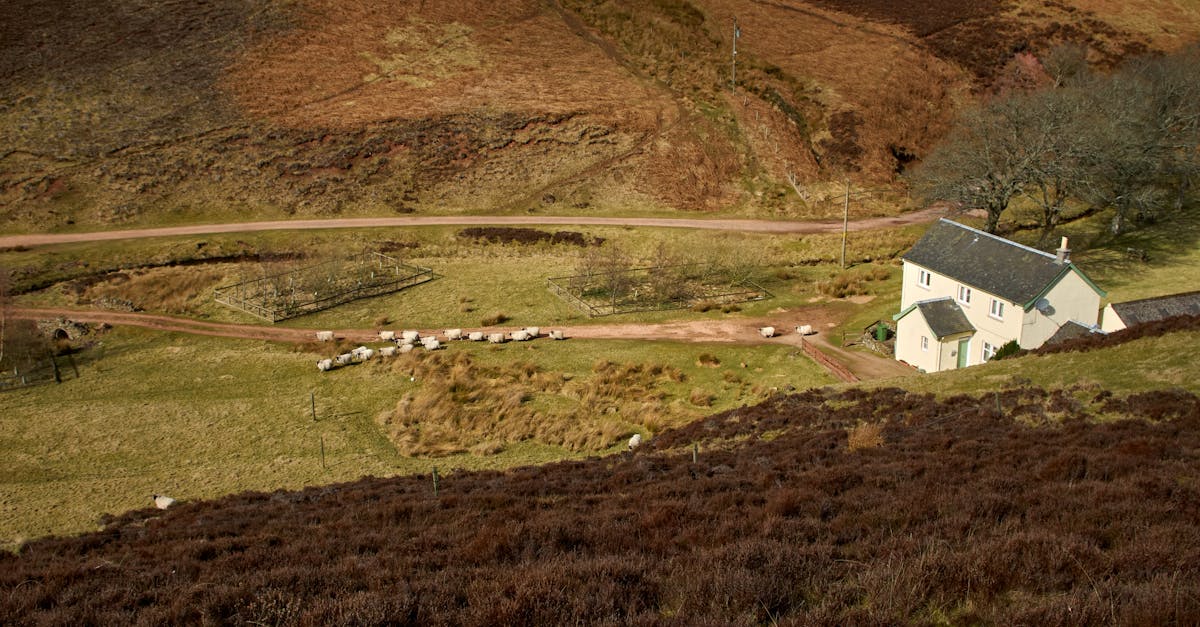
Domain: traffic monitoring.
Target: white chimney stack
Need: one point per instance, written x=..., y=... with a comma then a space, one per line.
x=1063, y=254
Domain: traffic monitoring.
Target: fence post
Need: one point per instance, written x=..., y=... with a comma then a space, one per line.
x=435, y=481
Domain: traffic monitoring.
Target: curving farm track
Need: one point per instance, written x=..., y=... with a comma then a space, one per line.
x=753, y=226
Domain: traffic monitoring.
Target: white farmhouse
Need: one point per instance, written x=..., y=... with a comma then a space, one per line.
x=966, y=293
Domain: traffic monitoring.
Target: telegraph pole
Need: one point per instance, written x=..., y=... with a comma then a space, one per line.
x=737, y=33
x=845, y=222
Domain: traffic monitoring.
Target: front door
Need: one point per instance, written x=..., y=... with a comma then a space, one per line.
x=963, y=347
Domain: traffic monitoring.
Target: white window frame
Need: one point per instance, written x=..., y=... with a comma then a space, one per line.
x=925, y=343
x=924, y=278
x=997, y=309
x=964, y=294
x=989, y=351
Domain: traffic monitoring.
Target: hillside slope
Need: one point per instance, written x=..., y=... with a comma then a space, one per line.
x=126, y=112
x=819, y=508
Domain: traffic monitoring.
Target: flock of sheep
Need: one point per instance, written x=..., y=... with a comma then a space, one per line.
x=406, y=341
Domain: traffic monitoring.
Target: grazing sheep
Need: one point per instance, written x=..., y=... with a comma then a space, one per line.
x=454, y=334
x=387, y=336
x=406, y=341
x=533, y=331
x=359, y=352
x=557, y=335
x=405, y=348
x=325, y=365
x=345, y=359
x=520, y=336
x=766, y=331
x=366, y=354
x=387, y=351
x=162, y=501
x=411, y=336
x=635, y=441
x=496, y=338
x=477, y=336
x=805, y=329
x=432, y=344
x=324, y=336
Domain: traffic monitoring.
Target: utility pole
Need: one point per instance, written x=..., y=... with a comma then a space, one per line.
x=737, y=33
x=845, y=222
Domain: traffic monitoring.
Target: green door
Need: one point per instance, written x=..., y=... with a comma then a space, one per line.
x=963, y=346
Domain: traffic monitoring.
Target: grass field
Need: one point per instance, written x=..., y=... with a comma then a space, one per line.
x=199, y=417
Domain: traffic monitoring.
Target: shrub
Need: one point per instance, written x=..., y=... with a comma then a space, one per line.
x=708, y=359
x=864, y=435
x=493, y=320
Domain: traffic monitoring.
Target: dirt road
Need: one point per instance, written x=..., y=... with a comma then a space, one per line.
x=734, y=331
x=755, y=226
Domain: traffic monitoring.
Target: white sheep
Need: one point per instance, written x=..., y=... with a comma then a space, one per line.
x=405, y=348
x=477, y=336
x=366, y=354
x=766, y=331
x=533, y=331
x=324, y=336
x=406, y=341
x=387, y=336
x=805, y=329
x=520, y=336
x=635, y=441
x=345, y=359
x=411, y=336
x=432, y=344
x=387, y=351
x=496, y=338
x=325, y=365
x=162, y=501
x=557, y=335
x=454, y=334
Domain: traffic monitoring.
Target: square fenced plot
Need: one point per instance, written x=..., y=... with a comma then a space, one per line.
x=655, y=288
x=292, y=293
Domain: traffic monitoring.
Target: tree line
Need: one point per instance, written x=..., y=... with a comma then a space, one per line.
x=1125, y=141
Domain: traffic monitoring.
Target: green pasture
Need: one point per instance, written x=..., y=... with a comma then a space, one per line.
x=198, y=417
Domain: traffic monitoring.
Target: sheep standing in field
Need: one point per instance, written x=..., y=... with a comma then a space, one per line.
x=387, y=351
x=767, y=332
x=454, y=334
x=533, y=331
x=805, y=329
x=431, y=344
x=325, y=365
x=345, y=359
x=366, y=353
x=411, y=336
x=477, y=336
x=324, y=336
x=496, y=338
x=557, y=335
x=162, y=501
x=635, y=441
x=520, y=336
x=387, y=336
x=405, y=348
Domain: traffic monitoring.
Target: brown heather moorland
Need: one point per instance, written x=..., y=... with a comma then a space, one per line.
x=132, y=113
x=1039, y=513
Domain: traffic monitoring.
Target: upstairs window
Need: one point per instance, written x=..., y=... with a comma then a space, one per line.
x=997, y=310
x=924, y=343
x=964, y=295
x=924, y=278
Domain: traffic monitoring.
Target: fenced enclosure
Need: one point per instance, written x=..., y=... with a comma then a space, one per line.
x=29, y=374
x=301, y=291
x=656, y=288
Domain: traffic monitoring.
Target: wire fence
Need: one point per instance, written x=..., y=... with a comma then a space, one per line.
x=302, y=291
x=656, y=288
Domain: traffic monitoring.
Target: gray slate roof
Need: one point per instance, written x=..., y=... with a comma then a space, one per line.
x=1158, y=308
x=1070, y=331
x=944, y=317
x=989, y=263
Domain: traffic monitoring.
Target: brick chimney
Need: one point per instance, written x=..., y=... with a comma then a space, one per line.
x=1063, y=254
